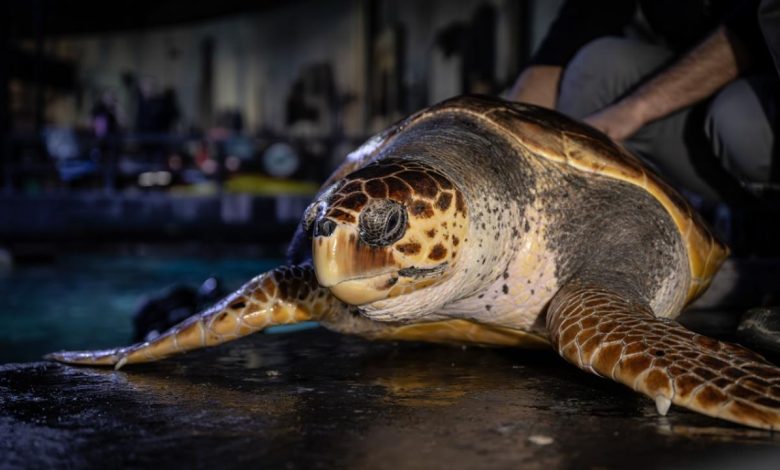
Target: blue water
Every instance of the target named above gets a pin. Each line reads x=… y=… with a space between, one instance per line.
x=87 y=302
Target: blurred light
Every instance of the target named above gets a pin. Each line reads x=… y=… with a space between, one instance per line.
x=145 y=179
x=209 y=166
x=175 y=162
x=61 y=143
x=163 y=178
x=281 y=160
x=240 y=146
x=154 y=178
x=210 y=284
x=232 y=163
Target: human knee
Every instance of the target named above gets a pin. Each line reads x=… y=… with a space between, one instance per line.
x=604 y=69
x=718 y=122
x=740 y=132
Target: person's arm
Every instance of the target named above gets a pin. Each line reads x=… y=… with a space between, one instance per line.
x=537 y=84
x=715 y=62
x=577 y=23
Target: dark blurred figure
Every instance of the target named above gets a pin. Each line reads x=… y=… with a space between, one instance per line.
x=156 y=112
x=105 y=125
x=105 y=112
x=168 y=308
x=677 y=81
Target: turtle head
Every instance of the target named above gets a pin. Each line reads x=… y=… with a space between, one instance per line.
x=387 y=230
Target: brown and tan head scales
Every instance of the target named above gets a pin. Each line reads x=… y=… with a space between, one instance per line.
x=392 y=227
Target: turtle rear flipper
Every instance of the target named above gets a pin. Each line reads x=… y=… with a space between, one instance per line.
x=610 y=335
x=285 y=295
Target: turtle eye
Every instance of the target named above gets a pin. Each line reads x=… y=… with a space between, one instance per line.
x=382 y=223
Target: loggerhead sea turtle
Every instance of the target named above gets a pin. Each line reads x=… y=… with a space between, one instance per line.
x=479 y=221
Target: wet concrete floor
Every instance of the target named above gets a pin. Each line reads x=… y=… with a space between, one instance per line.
x=314 y=399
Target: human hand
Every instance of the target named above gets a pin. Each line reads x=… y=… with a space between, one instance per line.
x=619 y=121
x=537 y=84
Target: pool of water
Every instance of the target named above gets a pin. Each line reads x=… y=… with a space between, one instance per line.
x=87 y=301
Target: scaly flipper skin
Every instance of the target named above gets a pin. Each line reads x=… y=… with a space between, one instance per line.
x=282 y=296
x=609 y=335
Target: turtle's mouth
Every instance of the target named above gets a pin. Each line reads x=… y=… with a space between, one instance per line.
x=364 y=290
x=415 y=272
x=368 y=289
x=411 y=272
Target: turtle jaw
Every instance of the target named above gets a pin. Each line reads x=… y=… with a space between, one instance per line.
x=355 y=272
x=364 y=291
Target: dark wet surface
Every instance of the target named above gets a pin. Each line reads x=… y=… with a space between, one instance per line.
x=314 y=399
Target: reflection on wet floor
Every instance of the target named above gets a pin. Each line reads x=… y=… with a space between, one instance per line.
x=314 y=399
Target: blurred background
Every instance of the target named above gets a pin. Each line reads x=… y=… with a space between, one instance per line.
x=163 y=151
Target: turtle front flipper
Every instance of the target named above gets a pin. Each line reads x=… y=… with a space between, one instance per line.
x=285 y=295
x=608 y=334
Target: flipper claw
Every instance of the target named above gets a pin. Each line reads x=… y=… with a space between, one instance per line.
x=121 y=363
x=662 y=404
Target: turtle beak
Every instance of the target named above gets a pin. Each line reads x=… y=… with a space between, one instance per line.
x=329 y=250
x=355 y=272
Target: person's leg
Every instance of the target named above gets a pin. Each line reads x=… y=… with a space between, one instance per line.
x=739 y=127
x=607 y=68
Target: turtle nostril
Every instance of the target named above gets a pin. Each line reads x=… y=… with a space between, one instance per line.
x=324 y=228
